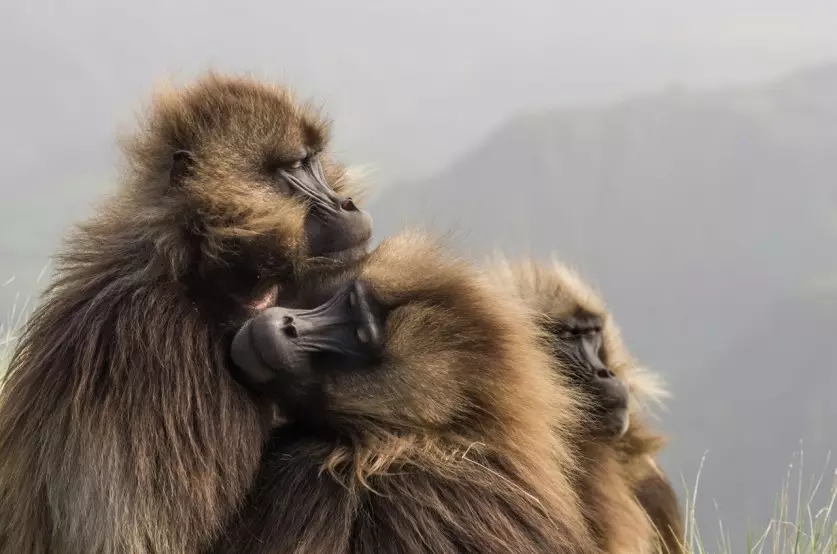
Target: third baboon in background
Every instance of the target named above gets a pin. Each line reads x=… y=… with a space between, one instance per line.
x=628 y=497
x=423 y=416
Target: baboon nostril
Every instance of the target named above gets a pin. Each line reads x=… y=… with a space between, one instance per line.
x=604 y=374
x=290 y=331
x=348 y=205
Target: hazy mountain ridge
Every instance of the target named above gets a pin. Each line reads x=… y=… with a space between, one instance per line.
x=697 y=214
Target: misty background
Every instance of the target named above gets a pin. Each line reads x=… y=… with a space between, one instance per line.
x=683 y=157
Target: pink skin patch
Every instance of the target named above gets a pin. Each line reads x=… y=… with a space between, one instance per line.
x=267 y=300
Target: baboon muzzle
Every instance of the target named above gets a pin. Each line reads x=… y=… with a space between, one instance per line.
x=282 y=340
x=334 y=223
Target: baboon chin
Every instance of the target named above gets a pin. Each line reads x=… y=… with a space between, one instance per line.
x=121 y=428
x=422 y=416
x=629 y=502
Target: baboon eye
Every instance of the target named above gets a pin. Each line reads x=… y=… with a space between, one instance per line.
x=564 y=333
x=301 y=163
x=283 y=169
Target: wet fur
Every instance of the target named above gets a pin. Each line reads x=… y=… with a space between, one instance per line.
x=627 y=497
x=121 y=429
x=458 y=441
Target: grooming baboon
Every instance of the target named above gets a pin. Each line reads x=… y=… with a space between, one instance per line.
x=627 y=496
x=121 y=429
x=421 y=411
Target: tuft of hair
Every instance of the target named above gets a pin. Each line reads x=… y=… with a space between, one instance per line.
x=356 y=181
x=121 y=428
x=631 y=504
x=649 y=388
x=459 y=439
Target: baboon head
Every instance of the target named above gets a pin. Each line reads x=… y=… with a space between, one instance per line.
x=581 y=335
x=237 y=170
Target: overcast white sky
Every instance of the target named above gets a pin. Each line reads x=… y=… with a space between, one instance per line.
x=437 y=73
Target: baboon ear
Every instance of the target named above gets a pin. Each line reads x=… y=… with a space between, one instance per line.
x=182 y=164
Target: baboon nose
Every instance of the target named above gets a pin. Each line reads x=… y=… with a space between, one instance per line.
x=348 y=205
x=290 y=331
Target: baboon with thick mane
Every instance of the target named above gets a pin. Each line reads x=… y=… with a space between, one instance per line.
x=630 y=502
x=422 y=417
x=121 y=428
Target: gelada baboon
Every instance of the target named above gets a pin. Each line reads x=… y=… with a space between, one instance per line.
x=627 y=497
x=421 y=410
x=121 y=429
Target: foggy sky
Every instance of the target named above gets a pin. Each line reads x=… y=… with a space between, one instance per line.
x=438 y=74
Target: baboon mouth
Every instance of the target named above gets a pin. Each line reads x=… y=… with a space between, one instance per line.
x=264 y=296
x=347 y=255
x=624 y=424
x=616 y=422
x=616 y=403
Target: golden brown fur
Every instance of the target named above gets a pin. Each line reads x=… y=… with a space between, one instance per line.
x=627 y=496
x=445 y=446
x=121 y=430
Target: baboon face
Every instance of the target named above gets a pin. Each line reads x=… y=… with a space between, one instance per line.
x=581 y=334
x=579 y=345
x=410 y=341
x=246 y=177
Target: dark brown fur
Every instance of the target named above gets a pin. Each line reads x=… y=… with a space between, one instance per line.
x=121 y=430
x=627 y=496
x=445 y=446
